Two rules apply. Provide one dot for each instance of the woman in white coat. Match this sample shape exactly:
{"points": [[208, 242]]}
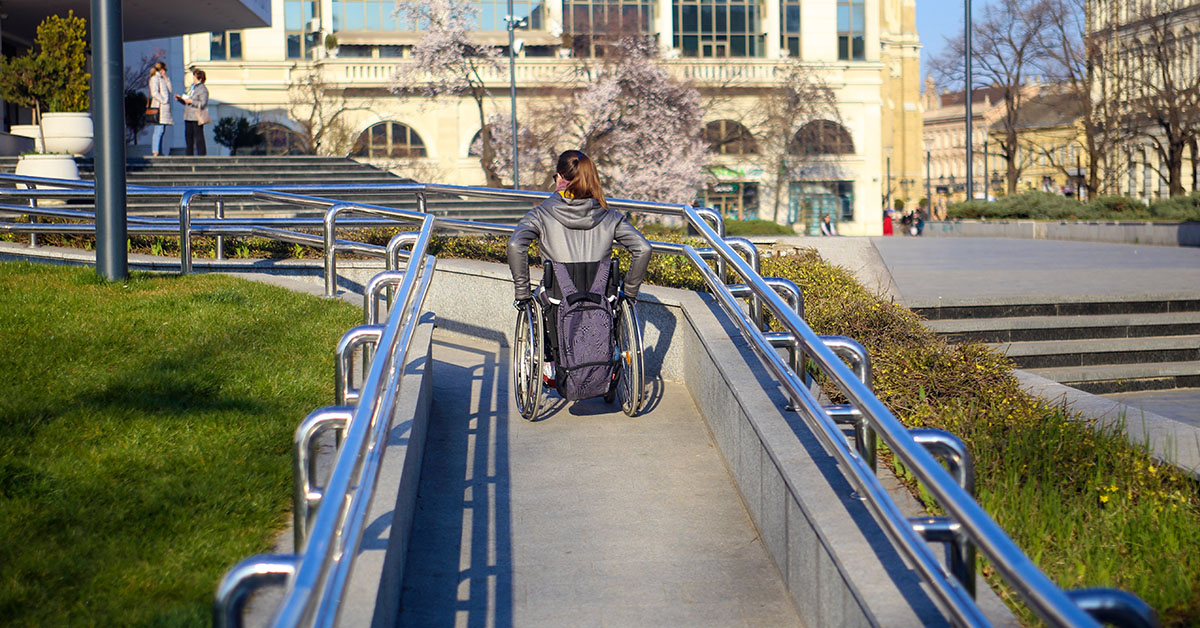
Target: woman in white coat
{"points": [[160, 97]]}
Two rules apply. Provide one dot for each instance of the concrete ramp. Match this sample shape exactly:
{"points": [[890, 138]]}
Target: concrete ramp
{"points": [[583, 518]]}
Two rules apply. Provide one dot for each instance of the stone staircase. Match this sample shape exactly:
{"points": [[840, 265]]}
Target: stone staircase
{"points": [[285, 170], [1097, 345]]}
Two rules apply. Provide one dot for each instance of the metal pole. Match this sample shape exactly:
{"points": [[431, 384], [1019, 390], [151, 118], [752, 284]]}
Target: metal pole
{"points": [[985, 176], [887, 199], [928, 195], [968, 94], [108, 66], [512, 78]]}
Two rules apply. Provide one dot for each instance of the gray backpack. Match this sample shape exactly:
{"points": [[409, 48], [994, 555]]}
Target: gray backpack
{"points": [[584, 365]]}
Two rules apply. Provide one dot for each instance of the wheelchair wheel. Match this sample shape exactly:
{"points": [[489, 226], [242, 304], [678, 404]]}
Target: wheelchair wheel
{"points": [[629, 385], [527, 360]]}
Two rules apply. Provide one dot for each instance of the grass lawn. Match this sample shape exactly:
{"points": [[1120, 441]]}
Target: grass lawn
{"points": [[145, 434]]}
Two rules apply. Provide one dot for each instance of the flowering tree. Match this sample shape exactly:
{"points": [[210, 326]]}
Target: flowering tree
{"points": [[535, 150], [643, 129], [447, 62], [801, 96]]}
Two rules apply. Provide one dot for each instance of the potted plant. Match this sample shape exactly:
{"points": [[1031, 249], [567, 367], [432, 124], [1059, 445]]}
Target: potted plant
{"points": [[53, 81], [331, 45]]}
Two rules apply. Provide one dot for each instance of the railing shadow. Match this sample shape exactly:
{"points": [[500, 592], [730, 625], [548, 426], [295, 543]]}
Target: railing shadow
{"points": [[459, 569]]}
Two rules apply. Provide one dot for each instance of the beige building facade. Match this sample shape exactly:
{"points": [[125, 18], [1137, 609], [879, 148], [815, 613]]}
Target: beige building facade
{"points": [[866, 50]]}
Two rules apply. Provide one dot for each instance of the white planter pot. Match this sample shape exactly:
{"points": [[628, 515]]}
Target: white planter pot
{"points": [[48, 166], [68, 132], [31, 131]]}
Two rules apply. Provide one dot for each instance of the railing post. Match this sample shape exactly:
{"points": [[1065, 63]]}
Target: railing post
{"points": [[34, 219], [219, 214], [852, 351], [330, 233], [1116, 607], [243, 579], [953, 451], [306, 497], [750, 252], [718, 224], [356, 337], [185, 231]]}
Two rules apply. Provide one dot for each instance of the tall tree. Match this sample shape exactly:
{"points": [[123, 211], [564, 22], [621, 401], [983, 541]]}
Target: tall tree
{"points": [[1007, 45], [801, 96], [1152, 58], [320, 108], [447, 61]]}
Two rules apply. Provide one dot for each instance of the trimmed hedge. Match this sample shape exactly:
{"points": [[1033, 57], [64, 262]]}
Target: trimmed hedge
{"points": [[1044, 206]]}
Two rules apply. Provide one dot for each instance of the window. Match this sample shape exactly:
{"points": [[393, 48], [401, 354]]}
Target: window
{"points": [[852, 28], [789, 12], [492, 12], [727, 137], [223, 46], [365, 15], [595, 25], [718, 28], [821, 137], [297, 16], [389, 140]]}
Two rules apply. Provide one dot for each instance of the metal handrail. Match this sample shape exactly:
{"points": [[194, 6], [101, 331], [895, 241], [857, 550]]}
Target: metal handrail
{"points": [[966, 519]]}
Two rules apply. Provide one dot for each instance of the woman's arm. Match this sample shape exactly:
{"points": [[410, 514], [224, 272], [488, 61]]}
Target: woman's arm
{"points": [[639, 247], [199, 98], [525, 233]]}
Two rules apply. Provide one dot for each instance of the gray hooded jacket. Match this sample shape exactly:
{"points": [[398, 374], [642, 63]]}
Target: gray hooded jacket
{"points": [[575, 231]]}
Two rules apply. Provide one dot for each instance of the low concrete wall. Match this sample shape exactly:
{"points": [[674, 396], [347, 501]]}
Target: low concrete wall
{"points": [[1132, 232]]}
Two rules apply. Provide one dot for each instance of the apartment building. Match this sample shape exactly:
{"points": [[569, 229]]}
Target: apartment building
{"points": [[866, 50]]}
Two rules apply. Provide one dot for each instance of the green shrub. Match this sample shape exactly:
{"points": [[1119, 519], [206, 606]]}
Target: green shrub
{"points": [[756, 227], [1117, 208], [1178, 208]]}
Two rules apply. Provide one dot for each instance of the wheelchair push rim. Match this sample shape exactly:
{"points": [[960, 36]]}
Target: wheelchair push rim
{"points": [[527, 361]]}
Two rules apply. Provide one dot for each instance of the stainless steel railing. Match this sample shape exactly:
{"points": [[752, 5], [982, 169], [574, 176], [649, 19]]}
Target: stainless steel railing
{"points": [[314, 582]]}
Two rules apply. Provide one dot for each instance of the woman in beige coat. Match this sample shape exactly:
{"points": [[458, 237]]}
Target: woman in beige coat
{"points": [[160, 97]]}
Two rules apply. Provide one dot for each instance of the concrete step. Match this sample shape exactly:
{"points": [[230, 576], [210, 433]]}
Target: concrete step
{"points": [[1146, 304], [1032, 328], [1113, 378], [1091, 352]]}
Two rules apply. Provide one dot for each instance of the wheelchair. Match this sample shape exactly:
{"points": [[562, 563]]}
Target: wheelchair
{"points": [[530, 347]]}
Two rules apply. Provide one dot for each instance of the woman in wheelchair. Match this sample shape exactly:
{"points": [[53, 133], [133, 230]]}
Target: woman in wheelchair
{"points": [[576, 230]]}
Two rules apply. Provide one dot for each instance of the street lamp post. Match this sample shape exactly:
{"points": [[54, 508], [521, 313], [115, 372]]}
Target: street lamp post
{"points": [[985, 156], [928, 194], [968, 94], [513, 24], [887, 199]]}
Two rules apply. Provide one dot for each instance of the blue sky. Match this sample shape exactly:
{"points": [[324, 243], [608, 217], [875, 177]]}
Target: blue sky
{"points": [[937, 20]]}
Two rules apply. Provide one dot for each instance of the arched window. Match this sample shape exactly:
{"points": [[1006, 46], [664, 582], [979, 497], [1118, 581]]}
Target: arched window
{"points": [[728, 137], [389, 140], [821, 137], [277, 139]]}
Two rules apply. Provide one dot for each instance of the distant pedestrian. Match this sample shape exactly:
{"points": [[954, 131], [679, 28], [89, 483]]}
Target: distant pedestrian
{"points": [[888, 228], [919, 220], [195, 114], [160, 99], [827, 226]]}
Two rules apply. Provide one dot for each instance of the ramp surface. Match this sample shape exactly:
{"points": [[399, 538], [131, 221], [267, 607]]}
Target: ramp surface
{"points": [[583, 518]]}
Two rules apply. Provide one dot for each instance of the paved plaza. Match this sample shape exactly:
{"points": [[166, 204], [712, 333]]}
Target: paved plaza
{"points": [[986, 269]]}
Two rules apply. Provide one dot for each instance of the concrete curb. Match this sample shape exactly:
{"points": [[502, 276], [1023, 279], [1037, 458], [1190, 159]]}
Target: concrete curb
{"points": [[1122, 232], [1168, 440]]}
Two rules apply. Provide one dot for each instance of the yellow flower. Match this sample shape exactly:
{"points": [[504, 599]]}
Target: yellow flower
{"points": [[1104, 499], [1153, 469]]}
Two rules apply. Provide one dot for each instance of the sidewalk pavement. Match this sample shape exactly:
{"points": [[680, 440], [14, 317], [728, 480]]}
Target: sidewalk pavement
{"points": [[583, 518]]}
